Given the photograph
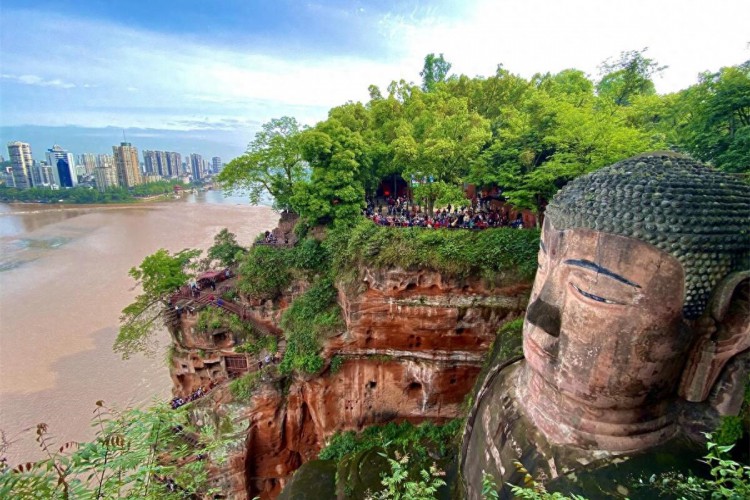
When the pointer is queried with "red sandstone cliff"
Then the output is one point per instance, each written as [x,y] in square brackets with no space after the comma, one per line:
[412,348]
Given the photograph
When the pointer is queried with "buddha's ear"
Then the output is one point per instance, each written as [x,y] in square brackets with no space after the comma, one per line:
[723,332]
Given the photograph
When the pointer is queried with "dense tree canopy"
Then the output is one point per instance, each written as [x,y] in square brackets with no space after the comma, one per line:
[719,126]
[527,137]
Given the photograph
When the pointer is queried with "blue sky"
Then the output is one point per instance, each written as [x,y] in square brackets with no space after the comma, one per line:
[202,76]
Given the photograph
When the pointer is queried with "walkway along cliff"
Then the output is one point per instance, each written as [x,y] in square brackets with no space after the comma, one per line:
[344,330]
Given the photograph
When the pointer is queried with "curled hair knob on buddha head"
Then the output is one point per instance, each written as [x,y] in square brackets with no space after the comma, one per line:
[696,214]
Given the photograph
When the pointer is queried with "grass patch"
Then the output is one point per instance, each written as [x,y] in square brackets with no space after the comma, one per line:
[406,437]
[494,254]
[242,388]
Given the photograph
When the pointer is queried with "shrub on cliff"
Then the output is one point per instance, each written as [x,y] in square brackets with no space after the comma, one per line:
[406,437]
[311,316]
[264,273]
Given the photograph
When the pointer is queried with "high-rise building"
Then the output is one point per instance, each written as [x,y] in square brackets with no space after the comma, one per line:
[196,166]
[128,167]
[46,174]
[106,172]
[88,160]
[21,162]
[163,163]
[216,164]
[150,161]
[63,166]
[174,163]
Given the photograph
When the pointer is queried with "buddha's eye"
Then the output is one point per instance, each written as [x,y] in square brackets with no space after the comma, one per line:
[595,297]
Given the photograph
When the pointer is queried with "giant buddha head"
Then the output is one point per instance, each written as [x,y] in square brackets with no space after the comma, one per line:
[641,294]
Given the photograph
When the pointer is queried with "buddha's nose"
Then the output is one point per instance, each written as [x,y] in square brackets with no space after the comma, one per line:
[543,314]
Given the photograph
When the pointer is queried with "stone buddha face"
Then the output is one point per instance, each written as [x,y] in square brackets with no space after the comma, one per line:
[636,275]
[604,338]
[604,325]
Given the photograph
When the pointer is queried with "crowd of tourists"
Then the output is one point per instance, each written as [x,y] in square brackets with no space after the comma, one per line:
[196,394]
[401,212]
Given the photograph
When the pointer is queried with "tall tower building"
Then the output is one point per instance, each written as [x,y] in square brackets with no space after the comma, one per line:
[196,166]
[216,164]
[63,166]
[21,162]
[174,162]
[150,161]
[88,160]
[128,167]
[106,172]
[46,174]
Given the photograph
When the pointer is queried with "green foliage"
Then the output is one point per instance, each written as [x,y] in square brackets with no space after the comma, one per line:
[130,456]
[435,70]
[83,195]
[159,275]
[728,479]
[628,77]
[401,485]
[225,249]
[531,490]
[436,141]
[489,487]
[510,339]
[264,272]
[309,318]
[730,430]
[268,342]
[336,363]
[310,255]
[272,163]
[337,155]
[715,114]
[532,494]
[242,388]
[406,437]
[490,253]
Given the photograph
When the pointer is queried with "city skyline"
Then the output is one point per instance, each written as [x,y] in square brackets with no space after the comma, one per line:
[43,155]
[204,77]
[125,167]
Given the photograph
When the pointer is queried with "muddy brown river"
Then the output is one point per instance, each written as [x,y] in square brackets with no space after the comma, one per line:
[63,282]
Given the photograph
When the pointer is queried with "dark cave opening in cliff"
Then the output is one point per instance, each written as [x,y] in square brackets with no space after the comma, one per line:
[414,389]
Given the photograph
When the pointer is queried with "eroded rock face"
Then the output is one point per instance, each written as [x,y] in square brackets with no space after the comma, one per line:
[421,314]
[413,347]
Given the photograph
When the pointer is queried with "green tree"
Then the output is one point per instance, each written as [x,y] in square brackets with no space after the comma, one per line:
[159,275]
[718,128]
[272,163]
[338,157]
[435,70]
[225,249]
[437,141]
[629,76]
[557,130]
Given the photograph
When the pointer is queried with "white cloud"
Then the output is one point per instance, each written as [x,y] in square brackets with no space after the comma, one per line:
[530,36]
[180,81]
[38,81]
